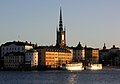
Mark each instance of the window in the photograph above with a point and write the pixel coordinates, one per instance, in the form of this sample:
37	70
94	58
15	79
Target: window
3	48
22	48
18	48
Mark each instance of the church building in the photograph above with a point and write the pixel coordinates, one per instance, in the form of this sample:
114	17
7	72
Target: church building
61	36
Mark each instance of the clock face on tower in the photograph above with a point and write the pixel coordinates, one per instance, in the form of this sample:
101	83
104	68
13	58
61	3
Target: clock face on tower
62	36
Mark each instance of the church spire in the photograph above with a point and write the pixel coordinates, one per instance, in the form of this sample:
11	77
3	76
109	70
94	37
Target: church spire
104	47
60	21
61	35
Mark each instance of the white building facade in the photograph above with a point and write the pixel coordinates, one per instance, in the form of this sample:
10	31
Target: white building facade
15	46
31	58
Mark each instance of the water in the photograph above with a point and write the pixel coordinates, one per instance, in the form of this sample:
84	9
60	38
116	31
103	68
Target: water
60	77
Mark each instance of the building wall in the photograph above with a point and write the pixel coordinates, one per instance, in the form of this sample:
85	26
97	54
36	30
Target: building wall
54	59
78	55
14	48
32	58
92	55
26	47
13	62
95	55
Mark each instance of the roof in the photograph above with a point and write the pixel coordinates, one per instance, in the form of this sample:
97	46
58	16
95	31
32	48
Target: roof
78	47
18	43
32	50
52	49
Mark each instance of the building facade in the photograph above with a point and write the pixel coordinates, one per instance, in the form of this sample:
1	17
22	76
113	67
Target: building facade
31	58
14	60
53	57
15	46
78	53
91	55
12	52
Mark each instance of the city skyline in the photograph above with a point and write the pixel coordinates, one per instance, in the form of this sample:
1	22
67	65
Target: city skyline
93	23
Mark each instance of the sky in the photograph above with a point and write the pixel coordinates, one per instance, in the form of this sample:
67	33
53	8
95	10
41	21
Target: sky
90	22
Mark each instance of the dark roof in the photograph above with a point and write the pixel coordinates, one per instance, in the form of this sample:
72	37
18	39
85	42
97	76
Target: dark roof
79	46
18	43
52	49
114	47
15	54
32	50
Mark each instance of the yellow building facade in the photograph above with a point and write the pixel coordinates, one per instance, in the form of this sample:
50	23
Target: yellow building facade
95	55
54	58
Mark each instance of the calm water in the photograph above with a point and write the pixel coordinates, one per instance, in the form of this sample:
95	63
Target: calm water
60	77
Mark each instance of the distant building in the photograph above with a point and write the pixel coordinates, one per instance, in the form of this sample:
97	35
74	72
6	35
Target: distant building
0	51
1	59
114	57
78	53
104	57
13	50
14	60
92	55
15	46
53	57
31	58
61	35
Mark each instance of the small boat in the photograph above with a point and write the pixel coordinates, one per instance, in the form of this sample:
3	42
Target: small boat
95	67
73	67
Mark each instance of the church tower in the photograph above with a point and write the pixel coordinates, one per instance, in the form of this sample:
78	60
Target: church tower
61	36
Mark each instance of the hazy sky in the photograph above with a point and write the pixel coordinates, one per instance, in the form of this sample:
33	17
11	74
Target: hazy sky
92	22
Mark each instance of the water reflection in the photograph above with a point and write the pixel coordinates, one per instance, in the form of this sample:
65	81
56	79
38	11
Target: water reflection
61	77
72	79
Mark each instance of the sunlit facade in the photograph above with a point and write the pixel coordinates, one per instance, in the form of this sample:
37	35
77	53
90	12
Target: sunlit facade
92	55
31	58
15	46
54	58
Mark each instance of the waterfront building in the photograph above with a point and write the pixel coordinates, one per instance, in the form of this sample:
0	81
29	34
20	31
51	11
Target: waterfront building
114	57
0	51
92	55
78	53
14	60
1	59
31	58
13	50
52	57
15	46
104	56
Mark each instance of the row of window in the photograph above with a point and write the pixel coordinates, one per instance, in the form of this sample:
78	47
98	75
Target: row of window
13	61
10	51
56	50
19	48
59	54
31	54
58	58
55	63
11	65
